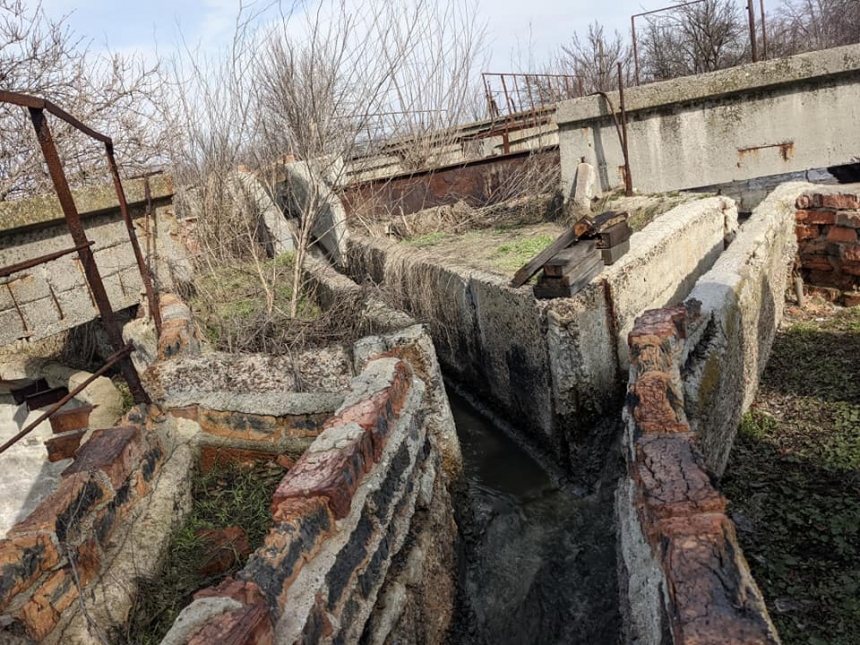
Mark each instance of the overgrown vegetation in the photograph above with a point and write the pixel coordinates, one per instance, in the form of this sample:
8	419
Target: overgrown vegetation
793	482
226	496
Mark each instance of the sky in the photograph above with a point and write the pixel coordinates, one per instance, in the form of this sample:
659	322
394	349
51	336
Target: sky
520	33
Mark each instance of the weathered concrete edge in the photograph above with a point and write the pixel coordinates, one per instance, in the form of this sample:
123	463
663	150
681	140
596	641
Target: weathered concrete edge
827	63
738	306
92	200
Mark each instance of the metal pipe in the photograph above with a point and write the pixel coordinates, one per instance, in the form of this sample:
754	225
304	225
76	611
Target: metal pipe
635	49
763	33
5	272
628	179
85	253
753	45
618	131
154	310
111	361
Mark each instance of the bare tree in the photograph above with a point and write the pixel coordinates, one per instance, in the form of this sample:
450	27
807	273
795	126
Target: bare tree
808	25
108	92
694	39
594	59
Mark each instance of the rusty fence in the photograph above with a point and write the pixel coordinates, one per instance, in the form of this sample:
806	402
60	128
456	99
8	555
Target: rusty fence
38	108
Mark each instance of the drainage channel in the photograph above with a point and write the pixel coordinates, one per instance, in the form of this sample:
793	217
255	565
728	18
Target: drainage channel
537	562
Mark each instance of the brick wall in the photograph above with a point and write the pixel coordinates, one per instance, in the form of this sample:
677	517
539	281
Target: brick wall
683	579
341	516
51	556
828	223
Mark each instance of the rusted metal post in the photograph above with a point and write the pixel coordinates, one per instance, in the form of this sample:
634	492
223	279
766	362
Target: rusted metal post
111	361
85	253
154	310
753	45
763	33
508	101
628	179
635	48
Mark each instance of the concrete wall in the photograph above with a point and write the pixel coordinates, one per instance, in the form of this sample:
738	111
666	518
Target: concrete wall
553	367
683	577
729	341
54	297
767	118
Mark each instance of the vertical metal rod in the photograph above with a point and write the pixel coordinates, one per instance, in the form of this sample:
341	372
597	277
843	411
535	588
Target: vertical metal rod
507	97
628	179
763	33
635	48
132	236
76	230
753	45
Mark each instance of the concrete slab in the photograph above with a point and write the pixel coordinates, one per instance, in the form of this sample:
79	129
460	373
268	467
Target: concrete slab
26	475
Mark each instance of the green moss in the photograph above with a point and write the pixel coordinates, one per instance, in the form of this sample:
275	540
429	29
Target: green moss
425	241
511	256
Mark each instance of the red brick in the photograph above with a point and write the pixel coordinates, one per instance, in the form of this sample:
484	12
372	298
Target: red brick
285	461
666	323
250	625
807	232
212	456
841	201
114	451
293	510
804	202
306	426
247	593
849	219
816	217
851	268
42	612
239	425
168	299
63	446
851	299
61	512
656	403
671	477
709	585
334	474
222	549
816	262
851	252
22	561
841	234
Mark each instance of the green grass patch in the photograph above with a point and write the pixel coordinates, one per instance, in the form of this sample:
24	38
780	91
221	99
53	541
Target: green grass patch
793	482
426	241
512	255
232	303
224	497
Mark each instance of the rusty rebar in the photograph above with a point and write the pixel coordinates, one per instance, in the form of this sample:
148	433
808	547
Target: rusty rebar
111	361
628	179
85	253
5	272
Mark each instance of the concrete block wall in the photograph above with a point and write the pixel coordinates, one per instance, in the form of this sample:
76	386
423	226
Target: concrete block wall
49	559
828	223
554	367
54	297
369	484
683	577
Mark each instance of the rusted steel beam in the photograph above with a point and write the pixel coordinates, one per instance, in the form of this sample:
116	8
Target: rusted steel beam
121	355
85	253
5	272
628	179
154	310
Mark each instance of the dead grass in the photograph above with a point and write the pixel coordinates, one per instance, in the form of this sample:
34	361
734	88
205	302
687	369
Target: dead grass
793	479
224	497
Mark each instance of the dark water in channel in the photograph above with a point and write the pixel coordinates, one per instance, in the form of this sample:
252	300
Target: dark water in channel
537	562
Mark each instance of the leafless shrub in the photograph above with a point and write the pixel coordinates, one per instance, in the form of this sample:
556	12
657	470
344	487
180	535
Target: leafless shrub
594	59
108	92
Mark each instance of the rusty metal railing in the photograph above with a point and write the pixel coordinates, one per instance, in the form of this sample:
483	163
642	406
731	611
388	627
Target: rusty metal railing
83	246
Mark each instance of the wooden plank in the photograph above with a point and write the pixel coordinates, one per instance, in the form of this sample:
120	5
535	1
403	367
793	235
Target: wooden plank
585	252
547	288
534	265
612	255
614	236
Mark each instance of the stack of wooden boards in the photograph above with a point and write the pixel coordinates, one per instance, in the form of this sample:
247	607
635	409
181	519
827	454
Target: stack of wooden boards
577	256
